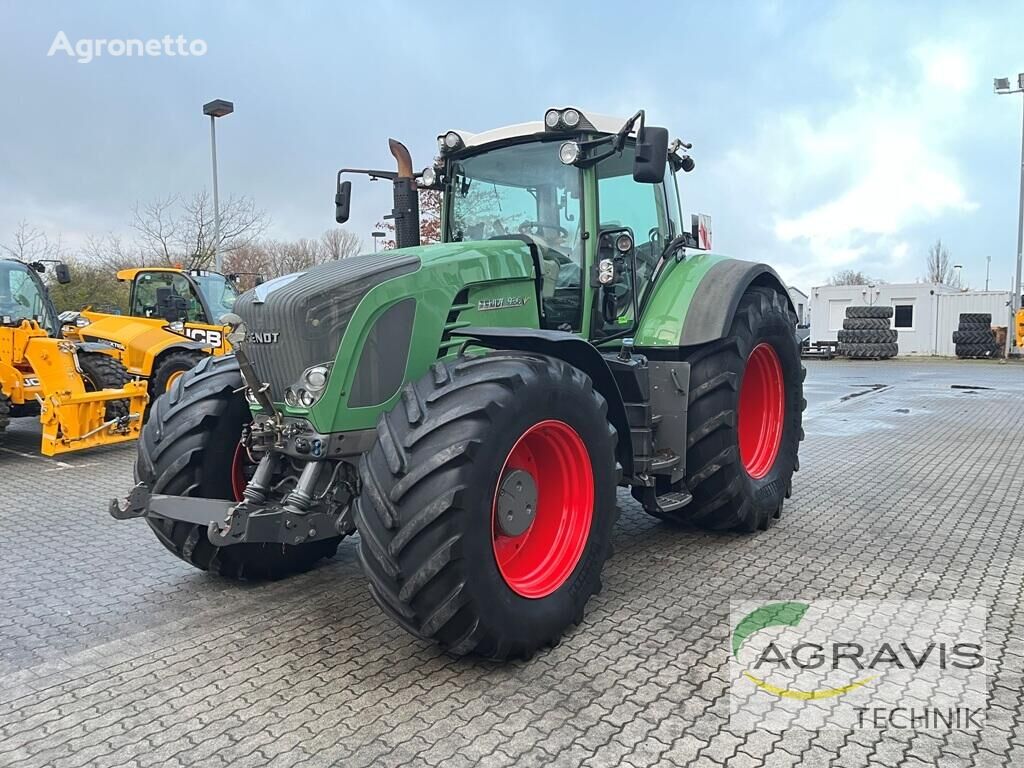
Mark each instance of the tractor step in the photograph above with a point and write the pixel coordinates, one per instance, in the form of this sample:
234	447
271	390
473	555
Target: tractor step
664	461
673	500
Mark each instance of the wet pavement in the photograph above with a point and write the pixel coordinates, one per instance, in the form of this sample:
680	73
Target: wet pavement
112	652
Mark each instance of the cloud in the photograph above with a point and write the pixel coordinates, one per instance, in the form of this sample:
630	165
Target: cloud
845	186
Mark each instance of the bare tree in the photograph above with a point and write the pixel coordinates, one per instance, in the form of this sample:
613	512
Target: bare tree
30	243
176	230
939	266
851	277
340	243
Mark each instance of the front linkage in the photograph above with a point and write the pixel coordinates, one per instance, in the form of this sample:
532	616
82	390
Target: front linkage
271	505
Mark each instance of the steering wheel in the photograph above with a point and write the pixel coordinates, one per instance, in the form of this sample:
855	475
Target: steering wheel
536	229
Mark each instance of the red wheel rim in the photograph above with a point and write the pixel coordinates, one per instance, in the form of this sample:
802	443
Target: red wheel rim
538	561
762	411
239	478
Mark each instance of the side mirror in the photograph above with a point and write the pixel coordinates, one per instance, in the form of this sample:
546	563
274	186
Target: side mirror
342	201
62	272
651	155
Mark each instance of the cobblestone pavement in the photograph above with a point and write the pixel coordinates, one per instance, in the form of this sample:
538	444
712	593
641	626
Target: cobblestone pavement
114	653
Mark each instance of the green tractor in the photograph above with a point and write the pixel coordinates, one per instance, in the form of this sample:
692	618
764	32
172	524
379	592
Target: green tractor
470	407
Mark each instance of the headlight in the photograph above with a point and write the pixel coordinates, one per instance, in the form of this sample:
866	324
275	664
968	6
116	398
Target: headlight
81	322
569	152
310	386
177	326
571	118
316	377
452	140
551	118
429	177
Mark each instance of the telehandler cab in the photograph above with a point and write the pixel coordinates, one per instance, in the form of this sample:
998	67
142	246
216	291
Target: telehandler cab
469	407
173	322
82	396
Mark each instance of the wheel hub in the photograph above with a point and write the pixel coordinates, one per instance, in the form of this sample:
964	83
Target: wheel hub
517	502
542	509
762	411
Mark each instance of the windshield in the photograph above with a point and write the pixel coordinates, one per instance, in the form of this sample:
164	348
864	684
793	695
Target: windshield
21	295
219	292
525	192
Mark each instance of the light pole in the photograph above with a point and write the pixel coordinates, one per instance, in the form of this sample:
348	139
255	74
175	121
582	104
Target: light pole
376	239
1002	87
988	266
958	267
216	108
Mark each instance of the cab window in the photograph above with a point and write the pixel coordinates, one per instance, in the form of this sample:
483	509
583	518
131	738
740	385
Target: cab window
21	297
168	296
642	208
524	192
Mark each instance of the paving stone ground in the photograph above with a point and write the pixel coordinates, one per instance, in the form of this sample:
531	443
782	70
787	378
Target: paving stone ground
113	653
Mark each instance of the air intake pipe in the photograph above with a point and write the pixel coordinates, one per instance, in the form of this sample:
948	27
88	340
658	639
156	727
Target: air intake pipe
406	213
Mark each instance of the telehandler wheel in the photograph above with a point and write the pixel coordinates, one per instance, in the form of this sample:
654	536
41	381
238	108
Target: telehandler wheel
189	447
5	412
744	420
170	368
488	502
101	371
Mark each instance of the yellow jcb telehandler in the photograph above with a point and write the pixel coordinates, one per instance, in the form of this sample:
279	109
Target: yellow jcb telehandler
173	323
82	396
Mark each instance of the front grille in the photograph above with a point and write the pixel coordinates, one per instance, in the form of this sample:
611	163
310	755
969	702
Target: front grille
309	314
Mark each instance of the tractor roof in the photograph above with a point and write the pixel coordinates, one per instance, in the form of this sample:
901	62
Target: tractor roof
127	275
590	122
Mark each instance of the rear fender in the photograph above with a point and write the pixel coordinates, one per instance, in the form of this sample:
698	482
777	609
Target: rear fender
577	352
694	301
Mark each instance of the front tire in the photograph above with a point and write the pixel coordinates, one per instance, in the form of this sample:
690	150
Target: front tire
100	371
171	367
744	418
189	447
488	502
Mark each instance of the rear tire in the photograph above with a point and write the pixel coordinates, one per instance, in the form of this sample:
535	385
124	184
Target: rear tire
100	371
5	412
873	311
888	336
975	327
187	448
974	337
171	366
436	556
976	317
731	489
977	350
869	351
866	324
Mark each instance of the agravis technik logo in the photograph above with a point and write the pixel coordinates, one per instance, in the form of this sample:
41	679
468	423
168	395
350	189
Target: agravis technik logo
904	663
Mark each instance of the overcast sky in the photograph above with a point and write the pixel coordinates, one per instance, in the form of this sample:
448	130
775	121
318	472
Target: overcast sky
826	135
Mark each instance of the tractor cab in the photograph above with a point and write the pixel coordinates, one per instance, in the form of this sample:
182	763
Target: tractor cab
179	296
23	295
595	198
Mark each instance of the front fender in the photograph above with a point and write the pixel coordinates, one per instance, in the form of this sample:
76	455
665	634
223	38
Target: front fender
694	300
579	353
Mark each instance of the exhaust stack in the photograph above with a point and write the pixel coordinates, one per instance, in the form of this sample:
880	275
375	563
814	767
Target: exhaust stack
406	213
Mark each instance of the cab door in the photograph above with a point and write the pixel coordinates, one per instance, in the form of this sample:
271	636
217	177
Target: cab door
168	296
644	211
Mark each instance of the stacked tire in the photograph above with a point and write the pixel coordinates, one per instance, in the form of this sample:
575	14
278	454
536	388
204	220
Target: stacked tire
867	334
974	337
